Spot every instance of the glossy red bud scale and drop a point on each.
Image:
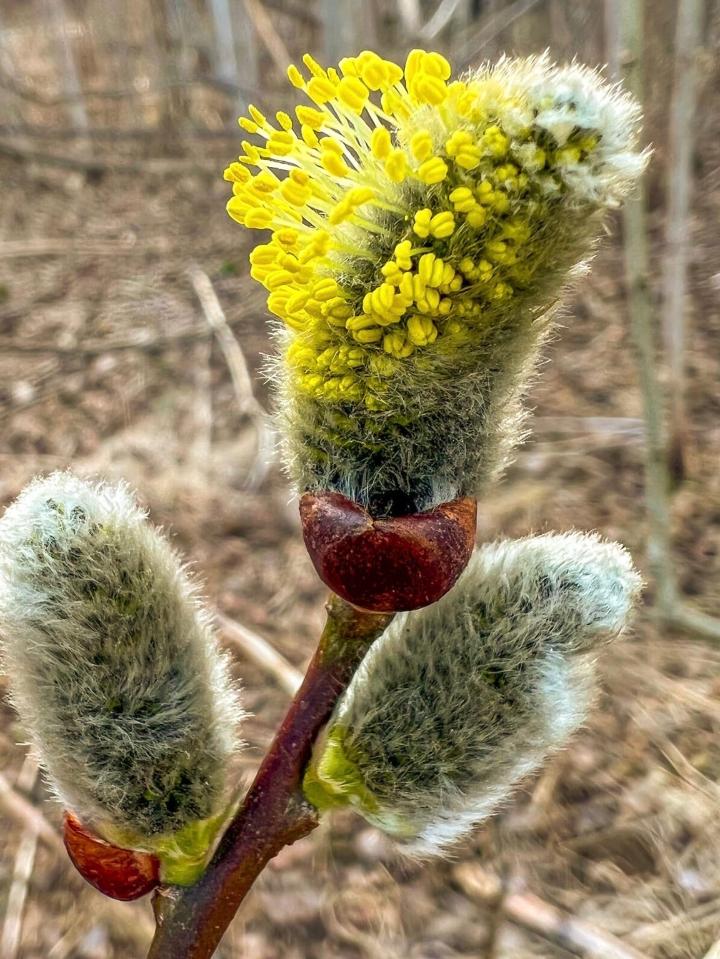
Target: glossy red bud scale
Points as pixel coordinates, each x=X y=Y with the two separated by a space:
x=387 y=565
x=118 y=873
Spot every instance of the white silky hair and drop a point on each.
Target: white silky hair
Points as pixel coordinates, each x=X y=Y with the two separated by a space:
x=455 y=704
x=113 y=664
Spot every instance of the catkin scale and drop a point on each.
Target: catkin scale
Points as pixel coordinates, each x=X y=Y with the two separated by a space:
x=114 y=667
x=388 y=564
x=457 y=702
x=124 y=874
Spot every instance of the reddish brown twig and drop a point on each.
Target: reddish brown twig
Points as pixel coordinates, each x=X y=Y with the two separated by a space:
x=191 y=921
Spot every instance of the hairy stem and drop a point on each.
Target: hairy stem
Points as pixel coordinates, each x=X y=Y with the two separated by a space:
x=191 y=921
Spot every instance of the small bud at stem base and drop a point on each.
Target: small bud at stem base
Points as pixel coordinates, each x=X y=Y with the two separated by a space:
x=387 y=565
x=118 y=873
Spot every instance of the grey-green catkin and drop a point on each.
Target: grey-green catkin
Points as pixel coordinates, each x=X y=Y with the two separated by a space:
x=112 y=660
x=457 y=702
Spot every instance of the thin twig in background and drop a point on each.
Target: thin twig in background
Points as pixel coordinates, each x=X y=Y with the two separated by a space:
x=22 y=871
x=41 y=99
x=202 y=410
x=248 y=59
x=612 y=36
x=669 y=603
x=528 y=911
x=681 y=144
x=338 y=28
x=695 y=621
x=93 y=165
x=440 y=19
x=703 y=918
x=409 y=13
x=47 y=246
x=28 y=817
x=71 y=85
x=145 y=341
x=261 y=653
x=489 y=29
x=242 y=382
x=189 y=132
x=226 y=64
x=274 y=44
x=630 y=37
x=234 y=356
x=65 y=945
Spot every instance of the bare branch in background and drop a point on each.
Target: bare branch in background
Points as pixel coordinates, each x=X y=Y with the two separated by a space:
x=261 y=653
x=28 y=817
x=679 y=195
x=409 y=13
x=159 y=166
x=164 y=34
x=440 y=19
x=246 y=48
x=26 y=92
x=528 y=911
x=70 y=78
x=242 y=382
x=612 y=36
x=226 y=64
x=271 y=39
x=491 y=26
x=669 y=604
x=22 y=871
x=235 y=49
x=338 y=28
x=637 y=270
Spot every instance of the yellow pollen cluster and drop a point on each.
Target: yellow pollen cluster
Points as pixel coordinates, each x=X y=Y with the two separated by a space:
x=406 y=211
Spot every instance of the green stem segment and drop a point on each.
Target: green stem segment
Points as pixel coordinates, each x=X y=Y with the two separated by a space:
x=191 y=921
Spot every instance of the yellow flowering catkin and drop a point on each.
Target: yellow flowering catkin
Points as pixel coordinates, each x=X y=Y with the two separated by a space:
x=422 y=230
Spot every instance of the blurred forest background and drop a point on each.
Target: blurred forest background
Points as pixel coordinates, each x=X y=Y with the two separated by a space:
x=131 y=345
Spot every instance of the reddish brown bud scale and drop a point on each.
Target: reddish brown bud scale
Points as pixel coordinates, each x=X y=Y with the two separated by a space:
x=117 y=873
x=387 y=565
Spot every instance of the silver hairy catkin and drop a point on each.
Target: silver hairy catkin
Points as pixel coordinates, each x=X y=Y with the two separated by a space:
x=113 y=664
x=455 y=703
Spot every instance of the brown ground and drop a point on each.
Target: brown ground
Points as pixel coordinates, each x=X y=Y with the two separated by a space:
x=621 y=829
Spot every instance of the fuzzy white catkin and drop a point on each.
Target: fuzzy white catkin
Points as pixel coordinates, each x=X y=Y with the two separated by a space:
x=113 y=664
x=457 y=702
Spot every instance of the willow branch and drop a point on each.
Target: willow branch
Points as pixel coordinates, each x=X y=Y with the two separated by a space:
x=679 y=197
x=191 y=921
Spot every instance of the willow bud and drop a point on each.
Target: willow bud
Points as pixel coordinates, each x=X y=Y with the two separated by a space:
x=390 y=564
x=455 y=703
x=115 y=672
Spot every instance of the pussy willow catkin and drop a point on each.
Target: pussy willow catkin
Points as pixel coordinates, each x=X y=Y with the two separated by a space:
x=455 y=703
x=423 y=229
x=115 y=670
